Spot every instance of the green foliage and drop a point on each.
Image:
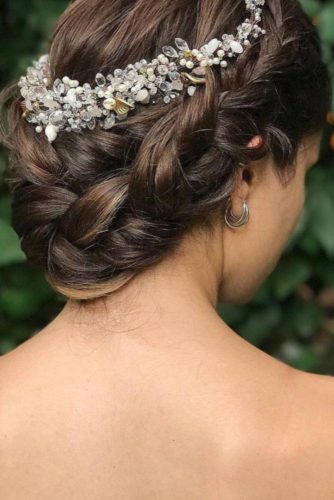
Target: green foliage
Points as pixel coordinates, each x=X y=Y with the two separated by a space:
x=291 y=316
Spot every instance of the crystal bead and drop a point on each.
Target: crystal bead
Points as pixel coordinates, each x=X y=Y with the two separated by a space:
x=32 y=76
x=211 y=47
x=143 y=96
x=162 y=69
x=31 y=118
x=174 y=75
x=24 y=91
x=86 y=115
x=177 y=85
x=236 y=47
x=167 y=99
x=199 y=70
x=109 y=121
x=28 y=105
x=166 y=86
x=169 y=51
x=50 y=103
x=131 y=75
x=181 y=44
x=91 y=124
x=36 y=92
x=95 y=111
x=100 y=80
x=71 y=97
x=159 y=79
x=58 y=86
x=153 y=90
x=191 y=90
x=57 y=118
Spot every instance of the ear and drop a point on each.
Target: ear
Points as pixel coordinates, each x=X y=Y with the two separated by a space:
x=256 y=142
x=247 y=174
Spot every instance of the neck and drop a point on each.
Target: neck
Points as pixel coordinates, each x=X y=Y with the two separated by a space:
x=179 y=293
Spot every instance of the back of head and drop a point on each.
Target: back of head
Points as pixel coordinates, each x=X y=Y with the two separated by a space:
x=97 y=207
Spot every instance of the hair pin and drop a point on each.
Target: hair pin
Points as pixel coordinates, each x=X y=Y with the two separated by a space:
x=68 y=105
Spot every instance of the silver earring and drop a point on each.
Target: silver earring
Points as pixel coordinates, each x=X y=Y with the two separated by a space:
x=231 y=219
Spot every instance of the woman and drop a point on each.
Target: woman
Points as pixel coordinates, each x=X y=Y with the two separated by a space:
x=138 y=389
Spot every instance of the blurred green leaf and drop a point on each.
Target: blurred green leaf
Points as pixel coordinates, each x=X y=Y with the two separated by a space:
x=260 y=323
x=307 y=361
x=293 y=270
x=311 y=7
x=9 y=245
x=321 y=209
x=326 y=22
x=303 y=318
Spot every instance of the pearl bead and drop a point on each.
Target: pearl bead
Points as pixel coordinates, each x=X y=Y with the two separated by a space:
x=73 y=83
x=183 y=62
x=216 y=60
x=223 y=64
x=189 y=64
x=51 y=132
x=109 y=103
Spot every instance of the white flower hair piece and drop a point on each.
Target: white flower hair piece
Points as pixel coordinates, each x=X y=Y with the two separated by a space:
x=67 y=105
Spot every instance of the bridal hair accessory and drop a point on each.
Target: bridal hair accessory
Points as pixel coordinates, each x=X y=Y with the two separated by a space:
x=232 y=220
x=68 y=105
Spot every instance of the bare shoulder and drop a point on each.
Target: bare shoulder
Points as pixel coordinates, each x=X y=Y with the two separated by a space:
x=299 y=458
x=250 y=428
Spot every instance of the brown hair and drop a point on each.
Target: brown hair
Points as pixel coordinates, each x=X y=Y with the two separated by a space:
x=95 y=208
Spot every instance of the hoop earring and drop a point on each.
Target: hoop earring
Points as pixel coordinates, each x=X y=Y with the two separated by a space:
x=232 y=220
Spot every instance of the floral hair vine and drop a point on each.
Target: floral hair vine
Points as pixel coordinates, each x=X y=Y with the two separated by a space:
x=68 y=105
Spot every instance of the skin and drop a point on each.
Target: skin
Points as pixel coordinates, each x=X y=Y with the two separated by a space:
x=149 y=394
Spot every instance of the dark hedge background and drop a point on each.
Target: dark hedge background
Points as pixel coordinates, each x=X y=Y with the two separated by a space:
x=292 y=316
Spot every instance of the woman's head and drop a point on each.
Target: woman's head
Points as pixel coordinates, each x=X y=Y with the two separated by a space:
x=94 y=209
